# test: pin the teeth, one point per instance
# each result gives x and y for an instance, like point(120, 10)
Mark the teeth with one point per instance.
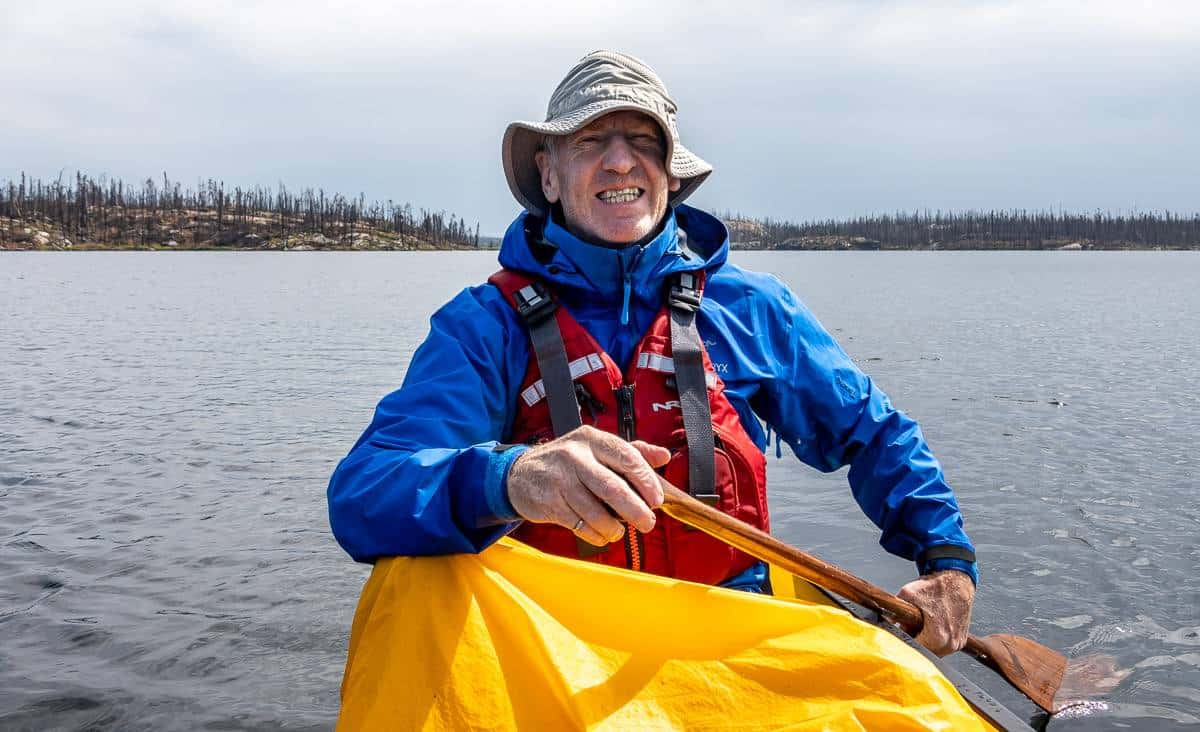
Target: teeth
point(623, 195)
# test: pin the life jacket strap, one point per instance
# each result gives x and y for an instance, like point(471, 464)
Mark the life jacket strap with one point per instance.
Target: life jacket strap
point(687, 352)
point(534, 304)
point(536, 308)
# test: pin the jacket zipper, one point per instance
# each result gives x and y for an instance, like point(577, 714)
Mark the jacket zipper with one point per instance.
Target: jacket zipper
point(633, 539)
point(627, 280)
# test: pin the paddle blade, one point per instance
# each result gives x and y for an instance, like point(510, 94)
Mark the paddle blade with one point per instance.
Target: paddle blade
point(1033, 668)
point(1092, 676)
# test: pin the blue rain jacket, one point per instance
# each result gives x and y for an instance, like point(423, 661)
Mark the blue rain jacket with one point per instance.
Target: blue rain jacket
point(426, 476)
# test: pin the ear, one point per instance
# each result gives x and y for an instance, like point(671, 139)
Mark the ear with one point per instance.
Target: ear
point(549, 176)
point(673, 183)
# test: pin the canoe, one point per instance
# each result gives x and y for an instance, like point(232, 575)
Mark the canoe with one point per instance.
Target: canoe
point(513, 638)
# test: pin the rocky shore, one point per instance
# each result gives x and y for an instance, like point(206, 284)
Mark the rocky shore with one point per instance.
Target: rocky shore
point(755, 235)
point(199, 232)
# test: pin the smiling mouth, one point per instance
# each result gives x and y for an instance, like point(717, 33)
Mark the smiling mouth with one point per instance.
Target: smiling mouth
point(621, 195)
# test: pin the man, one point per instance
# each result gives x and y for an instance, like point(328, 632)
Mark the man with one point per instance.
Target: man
point(618, 341)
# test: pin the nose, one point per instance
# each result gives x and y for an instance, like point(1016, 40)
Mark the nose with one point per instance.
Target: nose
point(618, 155)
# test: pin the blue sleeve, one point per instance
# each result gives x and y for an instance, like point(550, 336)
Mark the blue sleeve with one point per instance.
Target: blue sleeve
point(426, 477)
point(833, 415)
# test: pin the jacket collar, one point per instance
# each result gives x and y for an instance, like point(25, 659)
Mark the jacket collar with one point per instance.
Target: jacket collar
point(690, 240)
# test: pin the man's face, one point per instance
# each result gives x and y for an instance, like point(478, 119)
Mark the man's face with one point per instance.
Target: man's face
point(610, 178)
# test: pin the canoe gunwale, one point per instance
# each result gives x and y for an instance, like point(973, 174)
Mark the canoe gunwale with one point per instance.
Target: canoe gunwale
point(982, 702)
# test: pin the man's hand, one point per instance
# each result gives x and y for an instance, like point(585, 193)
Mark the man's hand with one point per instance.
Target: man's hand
point(945, 598)
point(570, 480)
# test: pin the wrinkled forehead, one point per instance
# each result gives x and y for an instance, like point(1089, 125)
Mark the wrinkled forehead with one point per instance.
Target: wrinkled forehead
point(626, 120)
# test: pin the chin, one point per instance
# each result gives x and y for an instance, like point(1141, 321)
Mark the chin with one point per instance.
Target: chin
point(628, 235)
point(628, 232)
point(624, 237)
point(617, 231)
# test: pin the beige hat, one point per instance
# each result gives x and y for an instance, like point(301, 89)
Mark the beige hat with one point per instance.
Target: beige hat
point(602, 82)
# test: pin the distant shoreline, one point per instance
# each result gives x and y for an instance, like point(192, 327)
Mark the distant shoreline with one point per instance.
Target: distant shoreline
point(87, 214)
point(86, 247)
point(735, 246)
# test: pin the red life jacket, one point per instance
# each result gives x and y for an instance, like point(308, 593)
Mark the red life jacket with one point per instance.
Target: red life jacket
point(647, 401)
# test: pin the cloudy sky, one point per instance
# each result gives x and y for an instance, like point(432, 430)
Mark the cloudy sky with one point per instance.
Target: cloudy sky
point(806, 110)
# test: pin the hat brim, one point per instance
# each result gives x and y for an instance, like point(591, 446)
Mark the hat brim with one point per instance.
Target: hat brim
point(523, 139)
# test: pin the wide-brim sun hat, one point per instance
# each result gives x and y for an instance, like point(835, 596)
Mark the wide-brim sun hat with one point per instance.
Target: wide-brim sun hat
point(601, 83)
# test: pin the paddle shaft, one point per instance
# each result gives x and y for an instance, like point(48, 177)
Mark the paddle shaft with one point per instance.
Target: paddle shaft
point(761, 545)
point(1033, 669)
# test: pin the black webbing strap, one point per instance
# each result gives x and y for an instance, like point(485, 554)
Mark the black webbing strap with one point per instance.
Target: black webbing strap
point(536, 308)
point(683, 301)
point(946, 551)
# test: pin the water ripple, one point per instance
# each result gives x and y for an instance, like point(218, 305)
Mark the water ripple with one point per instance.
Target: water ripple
point(168, 423)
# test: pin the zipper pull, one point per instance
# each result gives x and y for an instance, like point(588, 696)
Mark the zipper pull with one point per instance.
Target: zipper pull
point(625, 400)
point(588, 402)
point(625, 300)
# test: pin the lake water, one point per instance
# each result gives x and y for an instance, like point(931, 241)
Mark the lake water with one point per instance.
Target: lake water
point(168, 422)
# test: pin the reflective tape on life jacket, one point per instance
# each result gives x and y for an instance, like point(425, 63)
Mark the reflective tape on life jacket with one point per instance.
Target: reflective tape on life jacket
point(666, 365)
point(579, 367)
point(669, 396)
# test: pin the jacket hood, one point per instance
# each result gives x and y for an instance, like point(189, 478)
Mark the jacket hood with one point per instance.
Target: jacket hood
point(690, 240)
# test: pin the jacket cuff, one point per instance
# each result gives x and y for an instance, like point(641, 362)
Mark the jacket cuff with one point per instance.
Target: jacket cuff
point(970, 569)
point(495, 482)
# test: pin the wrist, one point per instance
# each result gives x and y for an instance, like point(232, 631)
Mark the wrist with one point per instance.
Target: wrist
point(495, 485)
point(942, 557)
point(934, 566)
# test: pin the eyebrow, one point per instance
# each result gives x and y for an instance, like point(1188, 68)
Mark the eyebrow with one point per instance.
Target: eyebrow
point(648, 128)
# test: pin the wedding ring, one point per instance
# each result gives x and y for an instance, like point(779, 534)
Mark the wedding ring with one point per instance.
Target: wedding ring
point(578, 525)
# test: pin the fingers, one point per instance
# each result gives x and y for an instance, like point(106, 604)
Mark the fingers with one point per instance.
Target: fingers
point(591, 475)
point(933, 634)
point(628, 460)
point(599, 526)
point(946, 607)
point(609, 487)
point(911, 593)
point(935, 637)
point(656, 455)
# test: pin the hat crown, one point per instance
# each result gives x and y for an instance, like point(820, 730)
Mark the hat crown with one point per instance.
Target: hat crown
point(611, 76)
point(600, 83)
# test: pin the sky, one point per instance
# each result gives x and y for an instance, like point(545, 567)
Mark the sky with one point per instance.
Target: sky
point(805, 110)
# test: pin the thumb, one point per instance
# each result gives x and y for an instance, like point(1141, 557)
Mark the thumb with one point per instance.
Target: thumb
point(656, 455)
point(910, 592)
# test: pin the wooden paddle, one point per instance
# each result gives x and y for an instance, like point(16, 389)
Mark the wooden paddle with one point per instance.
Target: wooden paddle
point(1030, 667)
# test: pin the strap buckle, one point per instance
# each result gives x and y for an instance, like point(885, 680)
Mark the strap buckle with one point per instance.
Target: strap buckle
point(534, 304)
point(684, 293)
point(709, 499)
